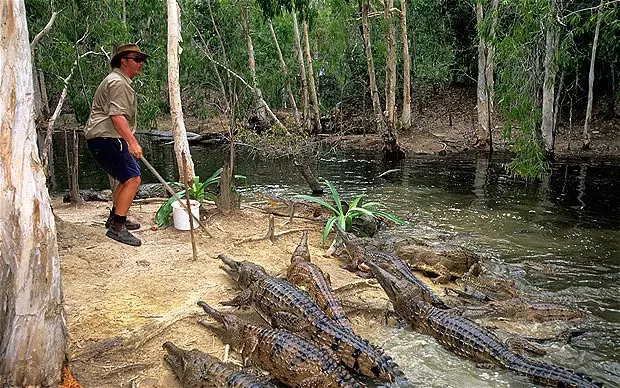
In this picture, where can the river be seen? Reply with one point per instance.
(559, 239)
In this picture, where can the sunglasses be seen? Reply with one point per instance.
(136, 59)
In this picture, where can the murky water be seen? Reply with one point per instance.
(559, 239)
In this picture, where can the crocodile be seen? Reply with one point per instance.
(288, 357)
(305, 274)
(287, 306)
(196, 369)
(538, 311)
(485, 289)
(447, 262)
(360, 255)
(465, 338)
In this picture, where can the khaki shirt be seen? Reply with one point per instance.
(114, 97)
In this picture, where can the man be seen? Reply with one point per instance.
(110, 136)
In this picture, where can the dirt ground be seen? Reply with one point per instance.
(122, 303)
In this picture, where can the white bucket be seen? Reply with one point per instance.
(180, 216)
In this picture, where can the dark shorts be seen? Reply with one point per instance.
(113, 155)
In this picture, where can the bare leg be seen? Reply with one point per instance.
(124, 194)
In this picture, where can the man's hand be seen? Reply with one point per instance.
(122, 127)
(135, 150)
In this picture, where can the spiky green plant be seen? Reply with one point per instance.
(198, 191)
(343, 216)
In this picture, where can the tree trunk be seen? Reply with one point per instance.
(374, 92)
(260, 113)
(390, 67)
(586, 124)
(41, 109)
(302, 75)
(303, 165)
(181, 146)
(32, 319)
(548, 92)
(291, 98)
(312, 85)
(388, 136)
(483, 105)
(405, 118)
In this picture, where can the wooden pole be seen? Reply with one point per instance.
(189, 206)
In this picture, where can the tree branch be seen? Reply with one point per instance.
(44, 31)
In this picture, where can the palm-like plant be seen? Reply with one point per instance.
(344, 216)
(197, 191)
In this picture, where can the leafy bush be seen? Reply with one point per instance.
(344, 216)
(197, 191)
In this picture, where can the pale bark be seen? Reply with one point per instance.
(181, 145)
(316, 115)
(391, 148)
(262, 113)
(40, 101)
(405, 117)
(32, 320)
(586, 124)
(289, 91)
(482, 105)
(305, 117)
(46, 152)
(374, 92)
(548, 92)
(390, 67)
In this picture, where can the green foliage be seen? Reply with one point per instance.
(343, 215)
(518, 86)
(197, 191)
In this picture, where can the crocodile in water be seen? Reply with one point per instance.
(466, 338)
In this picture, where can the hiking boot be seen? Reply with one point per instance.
(124, 236)
(131, 225)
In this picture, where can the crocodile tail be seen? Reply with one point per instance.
(547, 374)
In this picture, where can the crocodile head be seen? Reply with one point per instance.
(355, 248)
(395, 287)
(228, 326)
(243, 272)
(179, 359)
(302, 253)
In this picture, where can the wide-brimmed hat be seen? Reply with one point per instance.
(124, 49)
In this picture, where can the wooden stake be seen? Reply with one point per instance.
(189, 210)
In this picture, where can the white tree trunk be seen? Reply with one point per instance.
(586, 124)
(405, 118)
(32, 320)
(548, 92)
(312, 85)
(305, 116)
(390, 67)
(181, 146)
(289, 91)
(482, 106)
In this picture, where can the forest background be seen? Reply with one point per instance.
(534, 64)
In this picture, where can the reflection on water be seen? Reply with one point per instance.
(559, 239)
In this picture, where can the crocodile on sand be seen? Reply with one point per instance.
(305, 274)
(288, 357)
(467, 339)
(198, 369)
(287, 306)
